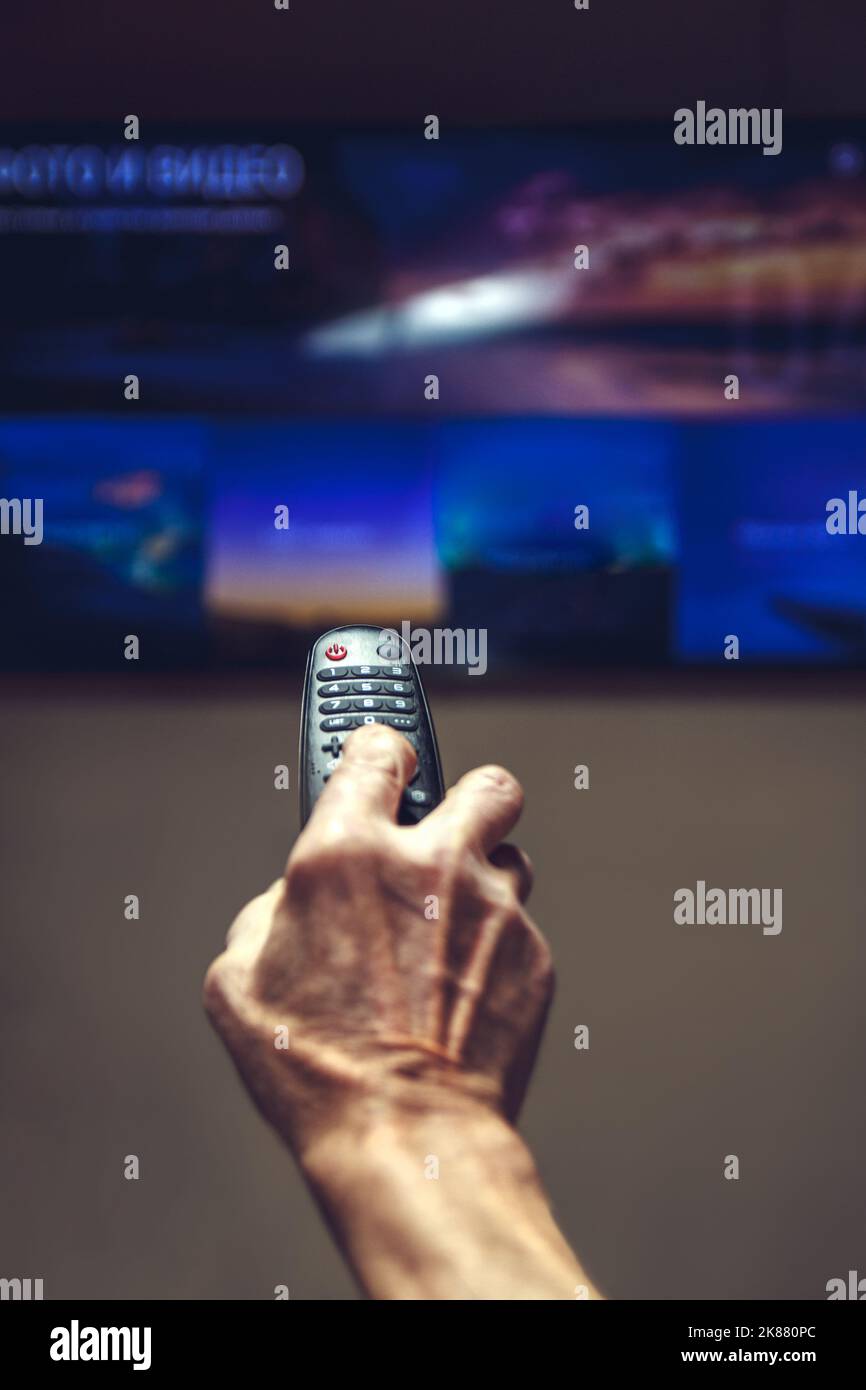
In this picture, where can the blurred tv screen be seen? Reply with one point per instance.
(430, 389)
(226, 543)
(456, 256)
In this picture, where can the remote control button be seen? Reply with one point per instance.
(405, 723)
(365, 670)
(397, 673)
(366, 704)
(398, 688)
(414, 796)
(333, 746)
(335, 688)
(335, 706)
(401, 706)
(335, 673)
(366, 687)
(338, 722)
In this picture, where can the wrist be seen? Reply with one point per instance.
(440, 1204)
(372, 1136)
(385, 1103)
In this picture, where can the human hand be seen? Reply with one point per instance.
(392, 968)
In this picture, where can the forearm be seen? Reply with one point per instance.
(443, 1206)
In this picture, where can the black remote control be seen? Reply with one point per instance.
(352, 680)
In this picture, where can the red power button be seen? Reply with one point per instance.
(336, 652)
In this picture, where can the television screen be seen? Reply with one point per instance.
(427, 357)
(599, 271)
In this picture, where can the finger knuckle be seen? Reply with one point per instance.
(536, 957)
(543, 968)
(431, 861)
(334, 849)
(501, 893)
(213, 988)
(359, 847)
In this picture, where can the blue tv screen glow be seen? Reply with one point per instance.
(687, 534)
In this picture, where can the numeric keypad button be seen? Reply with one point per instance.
(334, 706)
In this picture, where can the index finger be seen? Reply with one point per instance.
(369, 779)
(481, 810)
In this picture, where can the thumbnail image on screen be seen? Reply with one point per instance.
(757, 560)
(120, 549)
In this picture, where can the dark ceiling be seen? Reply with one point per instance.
(486, 62)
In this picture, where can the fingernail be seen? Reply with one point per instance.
(498, 775)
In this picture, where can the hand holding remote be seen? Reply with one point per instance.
(400, 959)
(412, 987)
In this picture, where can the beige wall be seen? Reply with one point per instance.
(705, 1041)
